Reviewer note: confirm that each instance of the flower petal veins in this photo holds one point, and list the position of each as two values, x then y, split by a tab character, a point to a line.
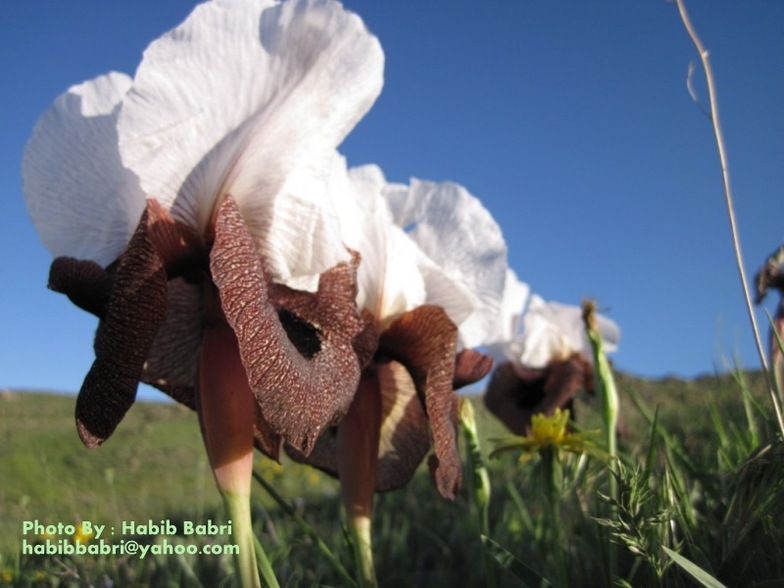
299	396
135	310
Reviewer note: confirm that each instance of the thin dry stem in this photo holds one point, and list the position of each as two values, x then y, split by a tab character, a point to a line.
714	117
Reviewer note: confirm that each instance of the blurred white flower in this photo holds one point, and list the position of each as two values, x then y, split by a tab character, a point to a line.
553	331
544	357
535	332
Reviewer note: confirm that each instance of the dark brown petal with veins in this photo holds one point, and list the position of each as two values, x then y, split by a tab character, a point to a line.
130	298
470	366
302	369
135	309
172	363
404	438
85	283
515	396
405	434
424	340
265	438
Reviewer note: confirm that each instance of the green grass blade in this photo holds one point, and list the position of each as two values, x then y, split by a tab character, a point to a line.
525	574
651	453
306	528
748	404
514	495
695	571
265	567
671	444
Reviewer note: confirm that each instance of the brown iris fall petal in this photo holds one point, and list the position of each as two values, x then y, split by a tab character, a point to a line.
417	370
425	340
303	377
470	366
173	359
515	395
133	313
771	276
130	298
85	283
298	348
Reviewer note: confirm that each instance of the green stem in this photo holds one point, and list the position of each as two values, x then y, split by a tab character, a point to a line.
607	398
226	408
238	511
360	528
481	490
551	473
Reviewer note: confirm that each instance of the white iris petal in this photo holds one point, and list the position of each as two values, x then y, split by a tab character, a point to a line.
247	97
82	200
553	331
250	98
404	268
460	237
389	278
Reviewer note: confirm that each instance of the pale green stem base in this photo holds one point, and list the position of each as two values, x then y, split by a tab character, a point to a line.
360	527
238	511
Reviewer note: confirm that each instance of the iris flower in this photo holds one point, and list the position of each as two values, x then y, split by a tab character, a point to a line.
192	199
545	357
188	209
429	286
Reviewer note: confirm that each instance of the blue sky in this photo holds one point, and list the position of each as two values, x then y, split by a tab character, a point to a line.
570	120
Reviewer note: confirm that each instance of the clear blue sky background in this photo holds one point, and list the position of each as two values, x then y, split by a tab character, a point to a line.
571	120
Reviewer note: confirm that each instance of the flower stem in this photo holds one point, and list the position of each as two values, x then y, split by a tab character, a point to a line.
357	449
607	395
725	175
362	544
604	383
226	414
481	489
238	512
551	472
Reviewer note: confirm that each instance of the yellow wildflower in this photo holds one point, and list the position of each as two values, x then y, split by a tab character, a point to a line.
313	479
80	537
548	433
43	537
549	429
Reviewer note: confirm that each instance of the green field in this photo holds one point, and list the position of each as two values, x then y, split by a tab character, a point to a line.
686	487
